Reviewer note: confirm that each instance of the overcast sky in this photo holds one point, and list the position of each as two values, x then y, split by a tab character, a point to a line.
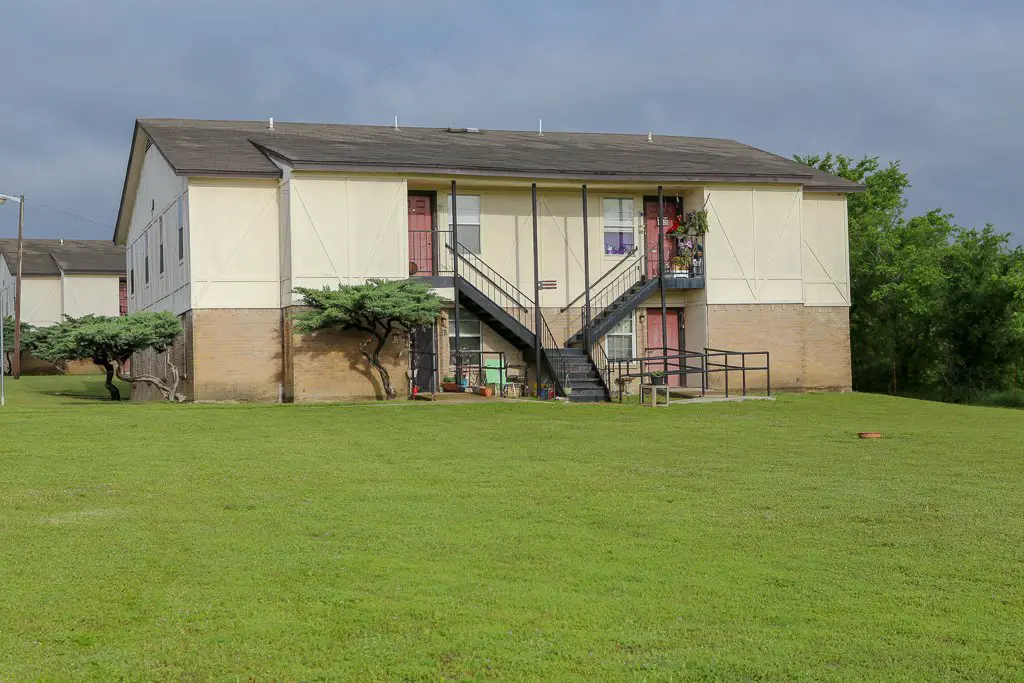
936	85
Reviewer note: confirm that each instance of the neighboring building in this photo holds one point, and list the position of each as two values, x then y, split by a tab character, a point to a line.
221	220
62	278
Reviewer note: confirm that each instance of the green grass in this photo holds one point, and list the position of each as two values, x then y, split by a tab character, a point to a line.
756	541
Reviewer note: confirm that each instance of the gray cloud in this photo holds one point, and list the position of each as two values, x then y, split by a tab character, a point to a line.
933	84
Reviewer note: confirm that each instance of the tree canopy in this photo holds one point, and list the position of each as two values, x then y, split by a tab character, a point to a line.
110	342
27	332
937	309
383	309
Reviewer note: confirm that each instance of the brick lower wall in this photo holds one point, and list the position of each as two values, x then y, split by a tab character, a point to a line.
809	345
156	364
236	355
327	366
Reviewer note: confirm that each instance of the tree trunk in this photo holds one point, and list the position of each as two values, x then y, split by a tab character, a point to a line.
374	360
115	393
170	393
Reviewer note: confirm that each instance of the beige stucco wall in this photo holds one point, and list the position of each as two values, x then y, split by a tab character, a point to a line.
344	230
753	245
91	294
826	252
6	289
40	301
161	198
234	243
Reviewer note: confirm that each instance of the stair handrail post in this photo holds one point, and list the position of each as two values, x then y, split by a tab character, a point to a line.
536	290
455	285
661	272
586	272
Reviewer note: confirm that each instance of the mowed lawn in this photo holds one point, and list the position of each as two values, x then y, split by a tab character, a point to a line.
755	541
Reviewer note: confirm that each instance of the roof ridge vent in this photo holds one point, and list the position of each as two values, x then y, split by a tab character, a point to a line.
463	130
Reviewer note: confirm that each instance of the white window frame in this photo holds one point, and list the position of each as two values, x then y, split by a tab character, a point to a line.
181	229
632	337
473	226
464	317
622	224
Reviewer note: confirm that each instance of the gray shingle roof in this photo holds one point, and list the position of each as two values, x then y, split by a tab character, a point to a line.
50	257
195	147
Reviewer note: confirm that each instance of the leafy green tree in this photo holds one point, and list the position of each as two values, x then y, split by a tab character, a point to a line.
27	332
110	342
936	309
981	324
383	309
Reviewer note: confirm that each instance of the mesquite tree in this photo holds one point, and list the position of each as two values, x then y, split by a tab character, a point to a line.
8	351
383	309
110	342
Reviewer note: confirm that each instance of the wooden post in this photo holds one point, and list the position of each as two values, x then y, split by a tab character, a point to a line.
586	274
536	291
661	276
455	287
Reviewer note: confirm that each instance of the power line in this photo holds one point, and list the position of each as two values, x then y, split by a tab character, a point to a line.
68	213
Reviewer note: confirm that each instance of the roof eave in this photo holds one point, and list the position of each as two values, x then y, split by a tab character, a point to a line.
789	179
123	210
844	188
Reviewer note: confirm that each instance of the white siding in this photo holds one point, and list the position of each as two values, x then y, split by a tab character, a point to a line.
90	294
6	290
159	194
344	230
826	250
753	245
40	301
234	243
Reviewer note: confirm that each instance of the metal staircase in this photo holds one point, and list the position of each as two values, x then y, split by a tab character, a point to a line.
501	305
629	285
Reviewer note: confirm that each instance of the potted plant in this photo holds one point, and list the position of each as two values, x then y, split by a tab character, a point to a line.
448	383
696	222
681	264
486	391
658	378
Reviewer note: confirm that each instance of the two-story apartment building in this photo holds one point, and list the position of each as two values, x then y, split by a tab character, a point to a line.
62	278
223	219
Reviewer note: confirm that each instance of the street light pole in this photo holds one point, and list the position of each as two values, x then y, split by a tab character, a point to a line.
16	355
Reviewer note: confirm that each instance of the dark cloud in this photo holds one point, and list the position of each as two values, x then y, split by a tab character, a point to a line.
933	84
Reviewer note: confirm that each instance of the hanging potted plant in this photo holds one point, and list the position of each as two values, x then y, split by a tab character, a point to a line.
696	222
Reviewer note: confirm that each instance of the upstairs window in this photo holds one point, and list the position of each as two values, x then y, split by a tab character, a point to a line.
181	228
161	234
618	226
146	271
469	221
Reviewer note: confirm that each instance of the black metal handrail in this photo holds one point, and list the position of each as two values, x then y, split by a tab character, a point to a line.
599	280
649	365
725	367
600	360
635	272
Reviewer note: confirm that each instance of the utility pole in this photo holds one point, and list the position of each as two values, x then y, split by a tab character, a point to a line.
16	355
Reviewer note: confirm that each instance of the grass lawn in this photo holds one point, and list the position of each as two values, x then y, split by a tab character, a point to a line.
756	541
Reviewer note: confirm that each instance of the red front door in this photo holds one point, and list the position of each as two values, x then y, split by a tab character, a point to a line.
675	341
651	222
421	234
